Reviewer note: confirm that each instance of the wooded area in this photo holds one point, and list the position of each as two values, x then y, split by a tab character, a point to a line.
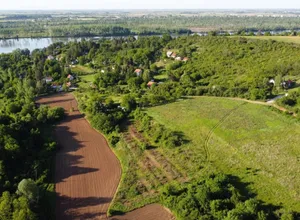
132	73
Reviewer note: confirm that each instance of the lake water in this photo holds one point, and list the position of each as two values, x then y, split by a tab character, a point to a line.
9	45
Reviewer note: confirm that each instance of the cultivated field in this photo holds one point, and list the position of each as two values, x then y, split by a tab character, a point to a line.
87	172
254	142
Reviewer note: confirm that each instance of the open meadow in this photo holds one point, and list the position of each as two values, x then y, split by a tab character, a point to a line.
286	39
253	142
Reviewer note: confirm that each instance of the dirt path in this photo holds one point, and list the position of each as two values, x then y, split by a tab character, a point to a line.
87	172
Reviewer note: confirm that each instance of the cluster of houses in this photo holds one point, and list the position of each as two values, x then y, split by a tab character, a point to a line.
285	84
57	86
139	73
171	54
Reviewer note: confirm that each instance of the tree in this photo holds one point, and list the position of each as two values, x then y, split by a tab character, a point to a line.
29	189
5	206
128	102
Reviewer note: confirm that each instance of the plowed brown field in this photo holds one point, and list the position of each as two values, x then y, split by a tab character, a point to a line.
87	172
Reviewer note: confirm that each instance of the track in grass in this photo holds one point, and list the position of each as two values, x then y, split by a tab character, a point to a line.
211	131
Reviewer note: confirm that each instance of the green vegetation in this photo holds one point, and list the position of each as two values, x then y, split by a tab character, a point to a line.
249	141
58	24
213	197
286	39
27	148
189	142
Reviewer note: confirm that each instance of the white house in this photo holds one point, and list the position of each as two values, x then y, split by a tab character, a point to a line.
272	81
169	53
178	58
50	57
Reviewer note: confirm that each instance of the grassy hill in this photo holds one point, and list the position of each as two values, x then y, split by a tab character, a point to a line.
253	142
286	39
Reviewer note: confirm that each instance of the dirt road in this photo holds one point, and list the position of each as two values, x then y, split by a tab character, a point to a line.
87	172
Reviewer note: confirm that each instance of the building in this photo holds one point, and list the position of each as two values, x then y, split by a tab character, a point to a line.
185	59
169	53
50	57
174	55
150	84
272	81
70	77
48	79
138	72
178	58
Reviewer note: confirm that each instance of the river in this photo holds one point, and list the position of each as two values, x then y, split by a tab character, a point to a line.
9	45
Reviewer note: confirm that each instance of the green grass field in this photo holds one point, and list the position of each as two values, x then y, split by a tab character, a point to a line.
253	142
287	39
81	70
86	80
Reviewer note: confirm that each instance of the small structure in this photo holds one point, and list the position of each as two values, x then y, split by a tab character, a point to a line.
48	79
272	81
174	55
150	84
70	77
169	53
50	57
178	58
185	59
68	84
138	72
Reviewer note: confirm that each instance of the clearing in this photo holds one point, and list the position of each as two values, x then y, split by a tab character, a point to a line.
286	39
254	142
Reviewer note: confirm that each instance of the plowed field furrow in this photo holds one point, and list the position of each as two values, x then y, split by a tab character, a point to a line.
87	172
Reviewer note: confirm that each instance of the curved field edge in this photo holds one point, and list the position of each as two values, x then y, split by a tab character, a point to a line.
256	143
116	209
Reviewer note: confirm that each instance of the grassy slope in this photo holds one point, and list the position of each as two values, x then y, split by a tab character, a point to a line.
253	142
287	39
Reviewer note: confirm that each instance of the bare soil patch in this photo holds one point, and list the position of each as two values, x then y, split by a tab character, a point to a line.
149	212
87	172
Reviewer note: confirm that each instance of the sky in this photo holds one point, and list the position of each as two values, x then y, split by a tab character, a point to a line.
148	4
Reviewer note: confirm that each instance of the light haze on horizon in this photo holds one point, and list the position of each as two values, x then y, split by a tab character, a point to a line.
149	4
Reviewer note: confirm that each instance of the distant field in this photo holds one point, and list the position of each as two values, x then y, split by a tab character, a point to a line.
253	142
288	39
79	69
86	80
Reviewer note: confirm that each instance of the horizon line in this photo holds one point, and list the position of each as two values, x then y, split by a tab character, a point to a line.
147	9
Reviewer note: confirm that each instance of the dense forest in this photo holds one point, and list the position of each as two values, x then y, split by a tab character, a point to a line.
124	24
131	74
27	148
